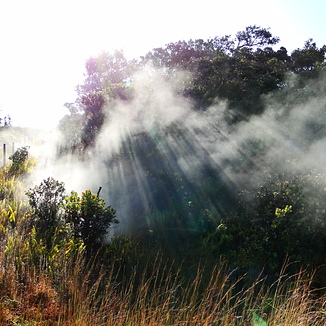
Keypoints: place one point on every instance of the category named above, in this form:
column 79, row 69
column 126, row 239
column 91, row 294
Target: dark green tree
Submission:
column 307, row 58
column 253, row 74
column 181, row 55
column 71, row 127
column 19, row 161
column 93, row 116
column 254, row 36
column 86, row 217
column 89, row 217
column 238, row 69
column 285, row 217
column 46, row 201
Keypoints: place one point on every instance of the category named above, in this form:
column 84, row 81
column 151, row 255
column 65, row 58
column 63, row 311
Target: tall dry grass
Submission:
column 62, row 288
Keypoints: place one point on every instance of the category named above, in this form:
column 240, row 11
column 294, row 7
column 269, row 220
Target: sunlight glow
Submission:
column 44, row 46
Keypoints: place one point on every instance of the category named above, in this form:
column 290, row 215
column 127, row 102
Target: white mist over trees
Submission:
column 186, row 138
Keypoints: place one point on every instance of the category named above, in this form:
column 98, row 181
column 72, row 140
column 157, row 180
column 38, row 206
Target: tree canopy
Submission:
column 239, row 69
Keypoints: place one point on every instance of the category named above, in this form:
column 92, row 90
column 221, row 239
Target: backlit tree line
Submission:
column 239, row 69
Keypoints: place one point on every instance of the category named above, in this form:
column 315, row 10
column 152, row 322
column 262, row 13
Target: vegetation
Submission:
column 238, row 69
column 5, row 122
column 21, row 164
column 89, row 217
column 208, row 254
column 55, row 285
column 284, row 217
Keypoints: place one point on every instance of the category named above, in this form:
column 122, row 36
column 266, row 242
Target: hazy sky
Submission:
column 44, row 44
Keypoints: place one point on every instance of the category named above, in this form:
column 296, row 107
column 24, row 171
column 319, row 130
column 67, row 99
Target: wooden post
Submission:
column 4, row 155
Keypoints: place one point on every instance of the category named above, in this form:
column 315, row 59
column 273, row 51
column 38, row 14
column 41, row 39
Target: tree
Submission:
column 237, row 69
column 104, row 70
column 53, row 210
column 94, row 116
column 89, row 217
column 284, row 217
column 46, row 201
column 21, row 162
column 71, row 128
column 106, row 80
column 305, row 60
column 181, row 55
column 184, row 54
column 5, row 121
column 254, row 73
column 210, row 76
column 255, row 36
column 241, row 78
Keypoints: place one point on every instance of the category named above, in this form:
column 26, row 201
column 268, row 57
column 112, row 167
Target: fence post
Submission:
column 4, row 155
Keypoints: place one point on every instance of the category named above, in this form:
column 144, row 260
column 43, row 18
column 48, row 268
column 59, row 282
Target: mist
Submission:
column 163, row 164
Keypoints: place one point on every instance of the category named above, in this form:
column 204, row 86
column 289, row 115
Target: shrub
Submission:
column 21, row 162
column 89, row 217
column 86, row 217
column 46, row 201
column 284, row 217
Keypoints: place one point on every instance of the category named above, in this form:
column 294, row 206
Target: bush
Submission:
column 21, row 162
column 284, row 217
column 89, row 217
column 46, row 201
column 86, row 217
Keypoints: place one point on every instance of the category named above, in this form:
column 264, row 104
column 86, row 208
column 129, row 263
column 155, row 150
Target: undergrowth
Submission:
column 62, row 285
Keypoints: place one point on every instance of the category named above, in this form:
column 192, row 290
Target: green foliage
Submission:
column 21, row 162
column 285, row 217
column 252, row 74
column 306, row 59
column 93, row 116
column 241, row 70
column 56, row 216
column 130, row 282
column 46, row 201
column 20, row 156
column 106, row 80
column 257, row 320
column 255, row 36
column 89, row 216
column 71, row 128
column 237, row 69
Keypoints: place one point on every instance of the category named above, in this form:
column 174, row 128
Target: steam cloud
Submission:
column 156, row 157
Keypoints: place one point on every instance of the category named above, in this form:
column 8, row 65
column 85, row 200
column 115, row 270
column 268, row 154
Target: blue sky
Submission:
column 44, row 44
